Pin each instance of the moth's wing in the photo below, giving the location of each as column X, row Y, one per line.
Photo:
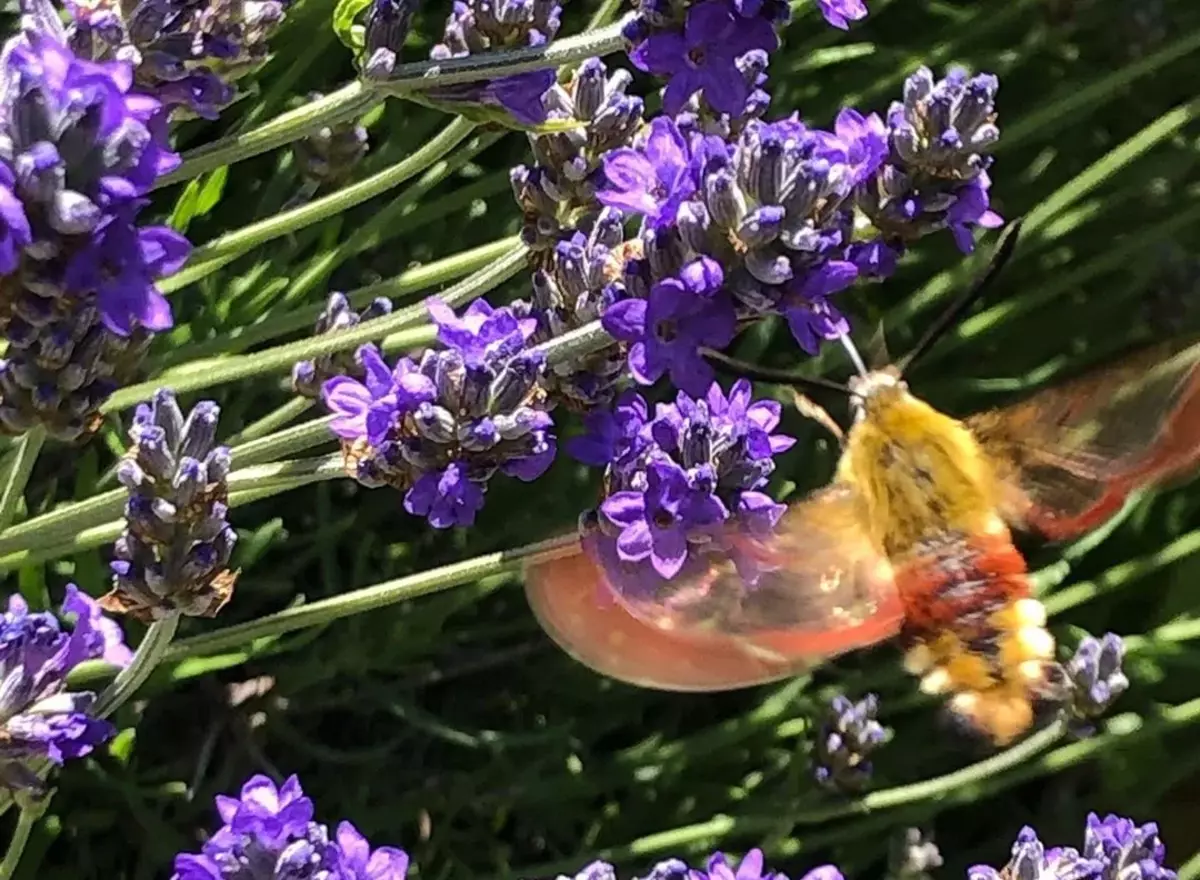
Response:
column 1069, row 456
column 823, row 588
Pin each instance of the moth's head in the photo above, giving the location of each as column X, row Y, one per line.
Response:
column 874, row 388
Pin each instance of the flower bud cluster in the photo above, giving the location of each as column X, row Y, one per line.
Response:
column 39, row 717
column 309, row 376
column 845, row 740
column 185, row 53
column 328, row 156
column 939, row 143
column 440, row 428
column 477, row 26
column 78, row 151
column 173, row 556
column 679, row 481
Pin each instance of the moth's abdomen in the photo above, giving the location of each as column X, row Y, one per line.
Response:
column 976, row 634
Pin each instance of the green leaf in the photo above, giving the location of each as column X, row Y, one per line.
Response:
column 198, row 198
column 344, row 15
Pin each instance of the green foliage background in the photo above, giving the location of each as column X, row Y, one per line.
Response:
column 448, row 724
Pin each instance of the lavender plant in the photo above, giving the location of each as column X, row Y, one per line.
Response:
column 670, row 200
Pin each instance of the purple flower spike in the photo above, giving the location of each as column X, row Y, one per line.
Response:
column 840, row 13
column 79, row 150
column 40, row 718
column 439, row 429
column 188, row 56
column 269, row 828
column 652, row 181
column 703, row 57
column 173, row 556
column 1114, row 848
column 940, row 139
column 475, row 27
column 847, row 737
column 679, row 481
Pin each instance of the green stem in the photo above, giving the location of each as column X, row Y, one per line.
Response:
column 93, row 523
column 425, row 75
column 346, row 103
column 985, row 777
column 256, row 234
column 150, row 652
column 273, row 420
column 1189, row 870
column 29, row 816
column 358, row 97
column 225, row 370
column 408, row 282
column 370, row 598
column 26, row 455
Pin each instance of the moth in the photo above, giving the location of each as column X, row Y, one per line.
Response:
column 910, row 539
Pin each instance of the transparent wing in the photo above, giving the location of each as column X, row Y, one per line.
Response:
column 1070, row 456
column 822, row 588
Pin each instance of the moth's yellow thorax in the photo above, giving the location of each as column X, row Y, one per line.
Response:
column 918, row 471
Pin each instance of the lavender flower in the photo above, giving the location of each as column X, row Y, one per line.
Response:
column 702, row 57
column 41, row 719
column 185, row 53
column 557, row 196
column 173, row 556
column 848, row 735
column 1114, row 848
column 1032, row 861
column 439, row 429
column 676, row 480
column 1127, row 851
column 329, row 156
column 78, row 150
column 771, row 212
column 578, row 284
column 476, row 26
column 751, row 868
column 269, row 834
column 1094, row 679
column 935, row 177
column 840, row 13
column 309, row 376
column 386, row 27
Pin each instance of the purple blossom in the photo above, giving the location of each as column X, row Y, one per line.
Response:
column 96, row 628
column 1128, row 851
column 750, row 868
column 1094, row 679
column 572, row 288
column 677, row 479
column 656, row 522
column 475, row 27
column 848, row 735
column 668, row 329
column 840, row 13
column 186, row 55
column 439, row 429
column 174, row 554
column 269, row 831
column 308, row 376
column 652, row 180
column 482, row 333
column 940, row 139
column 703, row 57
column 41, row 718
column 79, row 149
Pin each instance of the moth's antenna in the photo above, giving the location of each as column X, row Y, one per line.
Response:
column 734, row 367
column 855, row 357
column 952, row 315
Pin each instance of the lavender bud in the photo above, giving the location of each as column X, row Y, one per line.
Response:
column 168, row 561
column 846, row 738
